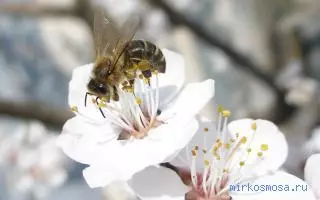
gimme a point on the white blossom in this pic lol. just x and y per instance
(222, 155)
(145, 127)
(312, 174)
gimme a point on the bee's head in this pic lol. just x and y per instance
(98, 88)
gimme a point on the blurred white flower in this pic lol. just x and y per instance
(312, 174)
(144, 128)
(244, 152)
(32, 162)
(313, 144)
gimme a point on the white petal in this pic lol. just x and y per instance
(172, 80)
(202, 139)
(190, 101)
(119, 190)
(298, 189)
(158, 183)
(312, 173)
(266, 133)
(122, 159)
(78, 136)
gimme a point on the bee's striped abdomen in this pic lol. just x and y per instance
(139, 50)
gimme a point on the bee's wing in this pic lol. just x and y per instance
(105, 35)
(128, 31)
(109, 39)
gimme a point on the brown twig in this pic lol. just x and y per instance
(283, 110)
(44, 113)
(32, 9)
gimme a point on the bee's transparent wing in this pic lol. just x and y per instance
(128, 30)
(109, 39)
(106, 35)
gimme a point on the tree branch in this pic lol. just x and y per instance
(44, 113)
(31, 9)
(283, 109)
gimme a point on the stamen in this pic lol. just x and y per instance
(74, 109)
(264, 147)
(229, 160)
(138, 100)
(193, 168)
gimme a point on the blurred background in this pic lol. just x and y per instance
(264, 56)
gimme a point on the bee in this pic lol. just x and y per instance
(119, 58)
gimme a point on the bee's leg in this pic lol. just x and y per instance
(115, 96)
(100, 107)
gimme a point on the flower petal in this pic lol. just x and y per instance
(172, 80)
(293, 188)
(189, 102)
(312, 173)
(78, 136)
(158, 183)
(122, 159)
(203, 139)
(266, 133)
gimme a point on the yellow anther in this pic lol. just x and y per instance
(138, 100)
(141, 76)
(194, 152)
(101, 105)
(249, 150)
(242, 163)
(260, 154)
(219, 145)
(220, 108)
(104, 99)
(244, 139)
(227, 146)
(204, 151)
(129, 89)
(74, 108)
(232, 140)
(206, 129)
(155, 72)
(218, 140)
(254, 126)
(237, 135)
(125, 83)
(146, 81)
(206, 162)
(196, 147)
(264, 147)
(226, 171)
(215, 149)
(226, 113)
(218, 157)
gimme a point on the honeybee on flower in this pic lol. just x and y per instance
(140, 129)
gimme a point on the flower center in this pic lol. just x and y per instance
(137, 109)
(225, 162)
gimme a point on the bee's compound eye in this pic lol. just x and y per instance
(102, 88)
(97, 87)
